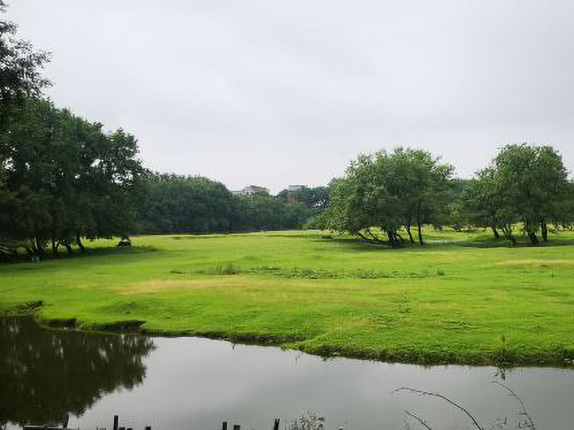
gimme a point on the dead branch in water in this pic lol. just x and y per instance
(530, 422)
(420, 420)
(440, 396)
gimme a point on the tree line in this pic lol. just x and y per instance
(64, 179)
(187, 204)
(525, 186)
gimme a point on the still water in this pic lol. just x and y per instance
(49, 376)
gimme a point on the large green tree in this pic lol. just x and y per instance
(403, 188)
(345, 212)
(525, 185)
(185, 204)
(533, 183)
(64, 179)
(483, 205)
(565, 216)
(265, 212)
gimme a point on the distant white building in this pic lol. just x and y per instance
(251, 189)
(295, 188)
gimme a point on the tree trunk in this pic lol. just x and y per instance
(411, 238)
(8, 251)
(544, 231)
(374, 238)
(69, 248)
(508, 234)
(80, 244)
(55, 246)
(495, 231)
(362, 236)
(392, 238)
(39, 248)
(420, 230)
(533, 238)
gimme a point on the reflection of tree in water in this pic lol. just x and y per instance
(45, 375)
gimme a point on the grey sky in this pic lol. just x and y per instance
(287, 92)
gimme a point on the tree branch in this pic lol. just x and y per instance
(440, 396)
(420, 420)
(524, 412)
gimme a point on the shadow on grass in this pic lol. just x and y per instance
(89, 252)
(224, 235)
(435, 242)
(522, 243)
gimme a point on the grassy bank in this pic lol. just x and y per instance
(461, 299)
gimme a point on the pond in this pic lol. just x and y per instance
(58, 377)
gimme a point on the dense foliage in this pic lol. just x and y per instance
(64, 179)
(390, 191)
(525, 186)
(184, 204)
(265, 212)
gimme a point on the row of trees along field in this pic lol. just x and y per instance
(64, 179)
(185, 204)
(397, 191)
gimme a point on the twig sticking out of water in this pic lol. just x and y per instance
(420, 420)
(440, 396)
(529, 423)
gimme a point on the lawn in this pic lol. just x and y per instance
(463, 298)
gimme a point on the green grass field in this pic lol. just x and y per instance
(461, 299)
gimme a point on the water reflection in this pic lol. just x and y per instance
(47, 375)
(193, 383)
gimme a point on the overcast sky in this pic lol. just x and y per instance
(288, 92)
